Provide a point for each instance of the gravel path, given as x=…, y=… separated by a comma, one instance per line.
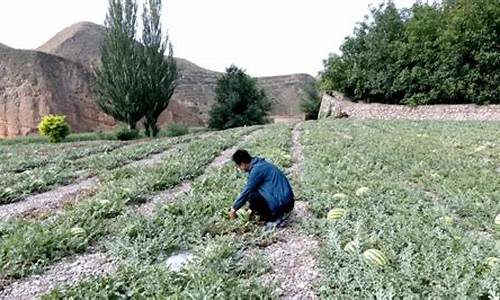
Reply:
x=72, y=270
x=69, y=271
x=49, y=200
x=292, y=256
x=149, y=207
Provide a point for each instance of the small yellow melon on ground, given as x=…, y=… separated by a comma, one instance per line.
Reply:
x=336, y=214
x=339, y=196
x=448, y=220
x=78, y=231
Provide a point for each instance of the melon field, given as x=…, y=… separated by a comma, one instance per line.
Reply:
x=384, y=209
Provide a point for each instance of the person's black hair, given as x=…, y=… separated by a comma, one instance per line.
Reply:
x=241, y=156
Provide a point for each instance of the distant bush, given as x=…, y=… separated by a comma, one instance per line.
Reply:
x=311, y=102
x=126, y=134
x=239, y=101
x=177, y=129
x=54, y=127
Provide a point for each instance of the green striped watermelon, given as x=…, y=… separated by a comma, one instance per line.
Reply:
x=336, y=214
x=375, y=258
x=78, y=231
x=492, y=261
x=351, y=248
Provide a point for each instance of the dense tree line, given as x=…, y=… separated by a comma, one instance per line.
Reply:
x=445, y=52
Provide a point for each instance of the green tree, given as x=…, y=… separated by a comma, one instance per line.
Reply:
x=160, y=71
x=239, y=101
x=419, y=60
x=118, y=87
x=471, y=53
x=135, y=80
x=445, y=52
x=311, y=102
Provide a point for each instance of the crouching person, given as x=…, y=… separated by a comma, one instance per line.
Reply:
x=267, y=190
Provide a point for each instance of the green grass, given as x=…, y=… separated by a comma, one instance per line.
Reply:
x=19, y=158
x=74, y=137
x=80, y=137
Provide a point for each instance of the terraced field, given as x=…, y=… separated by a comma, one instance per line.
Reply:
x=423, y=196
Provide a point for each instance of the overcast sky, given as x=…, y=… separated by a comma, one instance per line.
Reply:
x=265, y=37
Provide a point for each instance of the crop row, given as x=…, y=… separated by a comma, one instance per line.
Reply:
x=198, y=223
x=459, y=176
x=382, y=217
x=15, y=187
x=15, y=159
x=27, y=246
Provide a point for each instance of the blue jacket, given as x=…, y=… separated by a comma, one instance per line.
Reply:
x=269, y=181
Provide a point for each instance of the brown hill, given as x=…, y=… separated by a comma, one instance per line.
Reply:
x=34, y=84
x=80, y=43
x=195, y=93
x=2, y=46
x=57, y=78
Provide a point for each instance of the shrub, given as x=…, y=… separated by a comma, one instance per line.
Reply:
x=239, y=101
x=311, y=102
x=54, y=127
x=177, y=129
x=126, y=134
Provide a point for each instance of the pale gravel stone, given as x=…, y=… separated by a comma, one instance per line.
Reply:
x=152, y=160
x=336, y=103
x=69, y=271
x=179, y=260
x=48, y=200
x=292, y=257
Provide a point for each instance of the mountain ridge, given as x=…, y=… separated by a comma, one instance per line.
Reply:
x=75, y=51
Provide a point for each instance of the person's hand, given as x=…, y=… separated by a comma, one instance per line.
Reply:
x=251, y=215
x=232, y=214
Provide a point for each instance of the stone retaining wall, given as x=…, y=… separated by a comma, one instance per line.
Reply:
x=336, y=103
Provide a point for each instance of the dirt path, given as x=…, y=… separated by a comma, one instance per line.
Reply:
x=74, y=269
x=292, y=256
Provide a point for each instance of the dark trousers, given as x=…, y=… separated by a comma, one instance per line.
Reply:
x=259, y=205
